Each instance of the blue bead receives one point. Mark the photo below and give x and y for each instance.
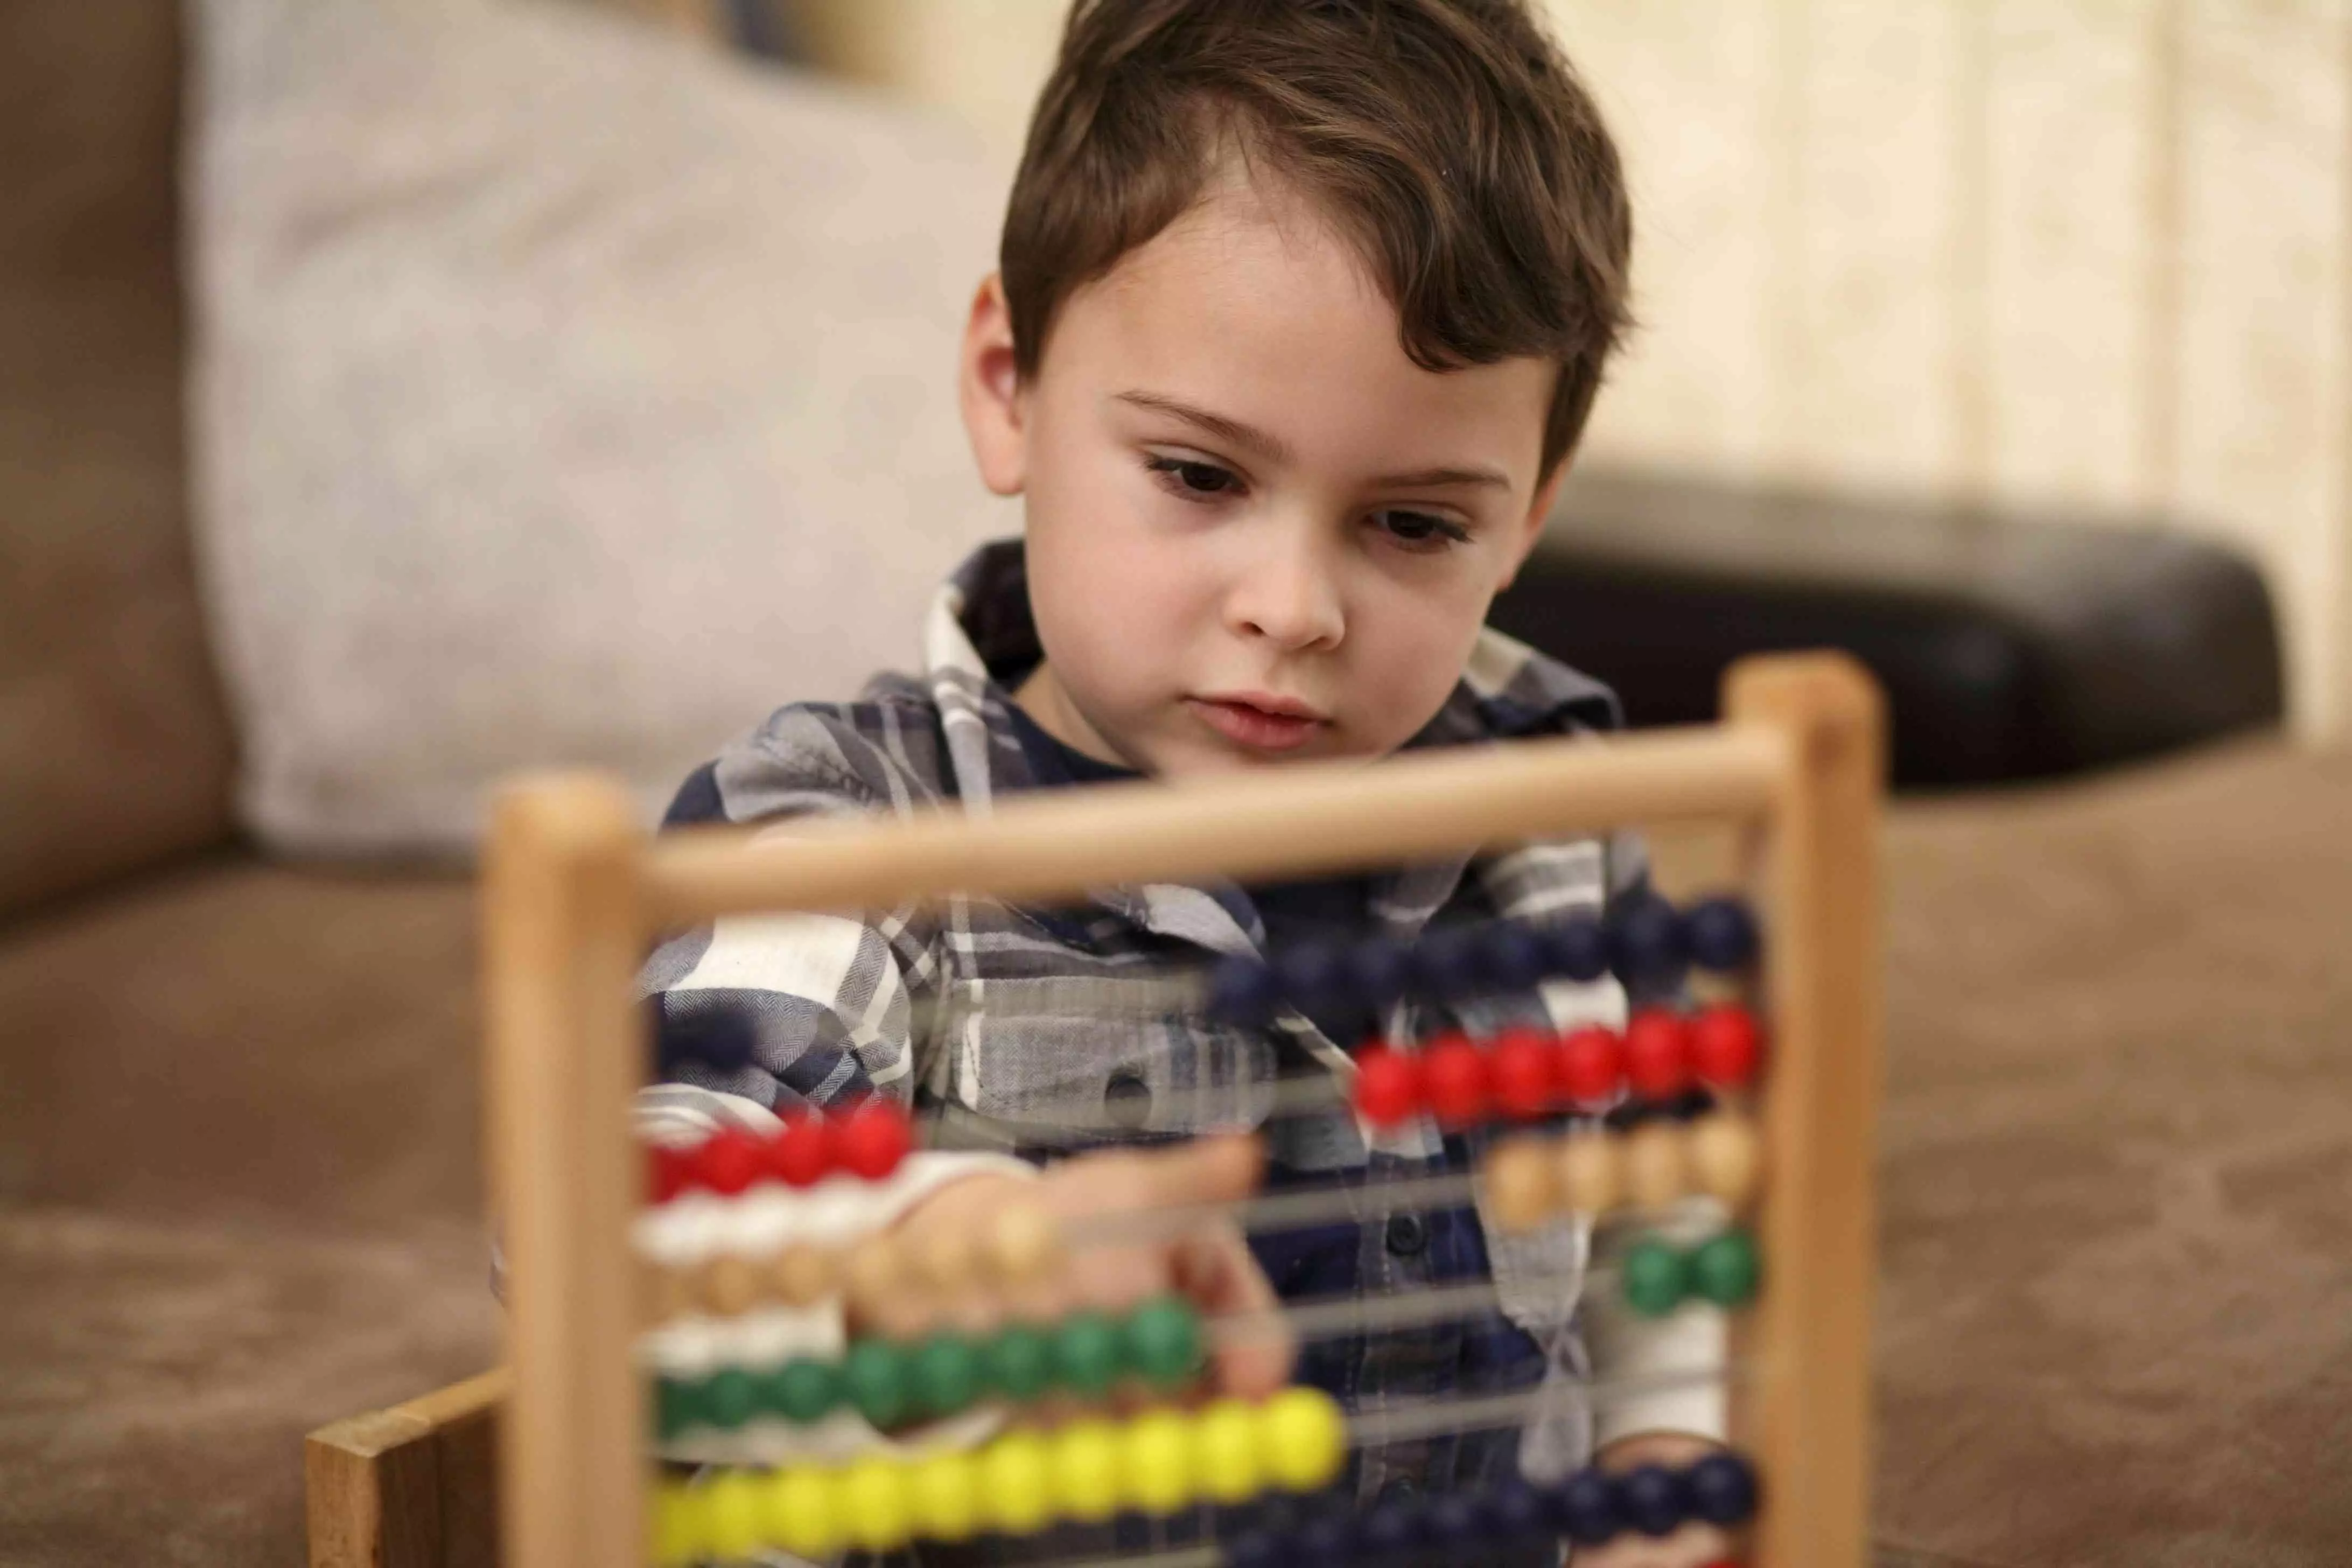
(1242, 991)
(1315, 978)
(1646, 942)
(1652, 1499)
(1446, 960)
(1256, 1549)
(1382, 970)
(1722, 1489)
(1458, 1522)
(1575, 949)
(1584, 1505)
(1515, 956)
(1392, 1530)
(1722, 934)
(1326, 1538)
(721, 1038)
(1516, 1511)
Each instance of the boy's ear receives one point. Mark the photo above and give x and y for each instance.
(1531, 525)
(989, 386)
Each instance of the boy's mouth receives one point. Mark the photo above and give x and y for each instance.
(1259, 720)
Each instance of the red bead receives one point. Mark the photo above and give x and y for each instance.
(668, 1171)
(728, 1161)
(1453, 1072)
(1725, 1045)
(802, 1154)
(1388, 1086)
(873, 1138)
(1521, 1065)
(1657, 1053)
(1590, 1064)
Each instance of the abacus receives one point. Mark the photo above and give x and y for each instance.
(576, 892)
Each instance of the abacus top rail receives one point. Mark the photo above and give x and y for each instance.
(1298, 821)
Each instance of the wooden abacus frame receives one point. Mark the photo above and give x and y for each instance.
(576, 892)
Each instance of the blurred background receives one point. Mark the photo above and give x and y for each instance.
(398, 393)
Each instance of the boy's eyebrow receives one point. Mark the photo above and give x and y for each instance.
(1274, 449)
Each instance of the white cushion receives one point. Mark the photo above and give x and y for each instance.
(565, 393)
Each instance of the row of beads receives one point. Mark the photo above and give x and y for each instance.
(1648, 942)
(1021, 1244)
(887, 1382)
(1526, 1073)
(1588, 1507)
(1656, 1277)
(1531, 1179)
(1157, 1463)
(867, 1142)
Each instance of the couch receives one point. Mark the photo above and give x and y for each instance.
(239, 1188)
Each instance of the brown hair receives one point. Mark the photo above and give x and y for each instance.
(1447, 137)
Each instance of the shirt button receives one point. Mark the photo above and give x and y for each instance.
(1408, 1235)
(1126, 1099)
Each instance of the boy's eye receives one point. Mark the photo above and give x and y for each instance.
(1191, 477)
(1422, 529)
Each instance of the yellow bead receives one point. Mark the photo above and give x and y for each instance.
(1589, 1178)
(1654, 1175)
(732, 1510)
(1726, 1156)
(730, 1285)
(948, 1261)
(1521, 1192)
(876, 1511)
(803, 1511)
(945, 1491)
(1224, 1452)
(1302, 1439)
(1156, 1461)
(676, 1526)
(1016, 1479)
(804, 1274)
(662, 1293)
(1085, 1470)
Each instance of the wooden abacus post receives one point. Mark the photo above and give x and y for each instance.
(1811, 1334)
(565, 928)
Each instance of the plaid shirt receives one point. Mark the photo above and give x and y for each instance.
(1031, 1030)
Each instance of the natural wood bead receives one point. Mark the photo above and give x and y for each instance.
(1590, 1172)
(729, 1286)
(877, 1271)
(1655, 1167)
(804, 1274)
(1726, 1156)
(1024, 1244)
(1520, 1186)
(948, 1261)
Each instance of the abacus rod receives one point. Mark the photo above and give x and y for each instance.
(1275, 1211)
(1307, 819)
(1438, 1417)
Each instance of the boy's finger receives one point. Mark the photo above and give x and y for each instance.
(1221, 1167)
(1216, 1270)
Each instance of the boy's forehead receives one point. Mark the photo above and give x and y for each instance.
(1253, 300)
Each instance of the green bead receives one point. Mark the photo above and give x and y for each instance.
(1725, 1267)
(1086, 1354)
(730, 1398)
(677, 1405)
(946, 1375)
(805, 1391)
(873, 1375)
(1163, 1341)
(1657, 1277)
(1020, 1361)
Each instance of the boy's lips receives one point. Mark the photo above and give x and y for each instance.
(1260, 721)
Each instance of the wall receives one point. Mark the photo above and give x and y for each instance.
(2092, 252)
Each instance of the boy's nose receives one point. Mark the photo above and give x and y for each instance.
(1289, 598)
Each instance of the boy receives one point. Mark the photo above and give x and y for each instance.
(1301, 310)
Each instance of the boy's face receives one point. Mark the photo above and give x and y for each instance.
(1257, 532)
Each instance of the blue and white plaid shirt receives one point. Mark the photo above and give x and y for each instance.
(1030, 1030)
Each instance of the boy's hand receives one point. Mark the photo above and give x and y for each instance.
(1692, 1546)
(1210, 1265)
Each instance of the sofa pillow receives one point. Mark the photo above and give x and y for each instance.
(566, 392)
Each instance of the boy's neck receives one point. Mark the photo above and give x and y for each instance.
(1042, 697)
